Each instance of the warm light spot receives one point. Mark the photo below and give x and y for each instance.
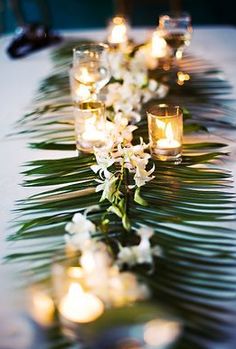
(79, 306)
(182, 77)
(166, 66)
(42, 308)
(160, 124)
(179, 54)
(84, 76)
(75, 272)
(158, 46)
(169, 131)
(118, 33)
(82, 92)
(159, 333)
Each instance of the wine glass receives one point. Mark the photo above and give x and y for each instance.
(177, 30)
(91, 67)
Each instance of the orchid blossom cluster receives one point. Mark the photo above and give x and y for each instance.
(122, 167)
(131, 86)
(112, 285)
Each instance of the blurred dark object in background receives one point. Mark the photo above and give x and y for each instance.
(30, 38)
(75, 14)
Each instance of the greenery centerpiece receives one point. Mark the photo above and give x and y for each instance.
(189, 207)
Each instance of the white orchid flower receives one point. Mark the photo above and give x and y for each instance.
(142, 176)
(141, 253)
(108, 187)
(80, 230)
(80, 224)
(127, 256)
(104, 161)
(145, 232)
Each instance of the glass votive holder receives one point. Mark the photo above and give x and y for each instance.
(159, 47)
(79, 92)
(89, 320)
(90, 71)
(118, 31)
(165, 128)
(76, 305)
(90, 125)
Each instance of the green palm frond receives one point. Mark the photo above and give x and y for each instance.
(190, 206)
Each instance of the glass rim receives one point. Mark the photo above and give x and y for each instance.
(119, 15)
(175, 15)
(81, 48)
(154, 114)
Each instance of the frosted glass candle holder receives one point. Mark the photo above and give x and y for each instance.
(165, 128)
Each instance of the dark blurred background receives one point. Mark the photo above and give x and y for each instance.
(71, 14)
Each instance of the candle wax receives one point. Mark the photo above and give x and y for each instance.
(93, 135)
(165, 143)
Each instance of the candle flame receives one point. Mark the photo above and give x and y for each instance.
(79, 306)
(169, 132)
(158, 46)
(160, 124)
(75, 290)
(82, 92)
(118, 33)
(85, 77)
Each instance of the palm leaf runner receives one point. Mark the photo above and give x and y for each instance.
(190, 206)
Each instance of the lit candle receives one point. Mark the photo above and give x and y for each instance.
(82, 74)
(90, 126)
(165, 126)
(91, 132)
(158, 45)
(42, 307)
(168, 144)
(79, 91)
(82, 93)
(117, 31)
(79, 306)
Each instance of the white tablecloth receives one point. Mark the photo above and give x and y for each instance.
(20, 80)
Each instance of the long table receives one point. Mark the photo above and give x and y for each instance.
(20, 80)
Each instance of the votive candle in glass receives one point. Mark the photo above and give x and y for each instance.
(90, 125)
(118, 31)
(90, 71)
(79, 92)
(158, 45)
(165, 128)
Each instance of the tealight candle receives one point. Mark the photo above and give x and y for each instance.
(117, 31)
(90, 125)
(165, 127)
(79, 306)
(158, 45)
